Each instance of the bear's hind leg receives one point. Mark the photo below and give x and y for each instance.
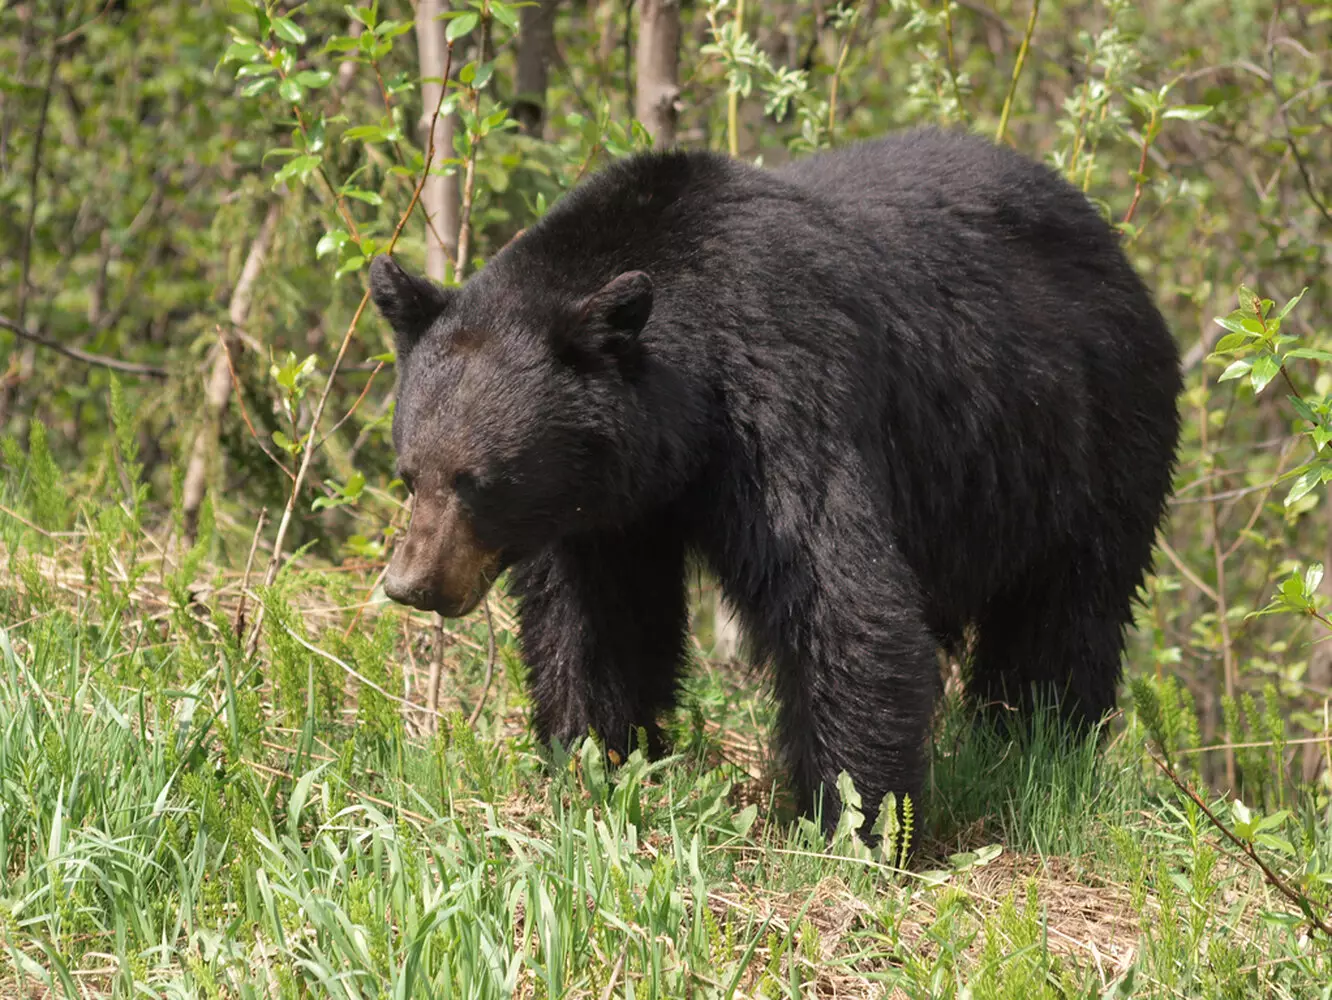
(603, 625)
(1055, 638)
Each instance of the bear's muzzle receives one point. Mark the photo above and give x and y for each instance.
(439, 565)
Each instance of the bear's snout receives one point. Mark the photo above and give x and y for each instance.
(438, 565)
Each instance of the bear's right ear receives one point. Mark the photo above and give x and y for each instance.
(410, 303)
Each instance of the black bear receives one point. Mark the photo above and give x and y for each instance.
(886, 393)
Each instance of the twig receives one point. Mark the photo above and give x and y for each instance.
(952, 59)
(436, 671)
(354, 673)
(100, 360)
(837, 73)
(490, 665)
(1017, 71)
(306, 457)
(245, 414)
(245, 577)
(609, 991)
(1273, 879)
(1184, 570)
(34, 174)
(469, 182)
(68, 37)
(1285, 121)
(1256, 745)
(1142, 170)
(732, 95)
(348, 415)
(1219, 596)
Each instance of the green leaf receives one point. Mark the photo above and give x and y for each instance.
(1313, 576)
(1285, 310)
(298, 169)
(314, 79)
(341, 43)
(350, 265)
(281, 152)
(1188, 112)
(331, 242)
(1277, 818)
(392, 29)
(1230, 342)
(255, 69)
(257, 87)
(1264, 370)
(285, 443)
(290, 91)
(1312, 353)
(360, 194)
(1237, 369)
(366, 133)
(366, 15)
(289, 31)
(242, 52)
(1274, 843)
(1303, 486)
(504, 14)
(461, 25)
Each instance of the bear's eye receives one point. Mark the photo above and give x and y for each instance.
(466, 486)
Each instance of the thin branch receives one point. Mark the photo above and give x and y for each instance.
(469, 184)
(1184, 570)
(34, 176)
(490, 664)
(1272, 878)
(348, 415)
(353, 672)
(1285, 121)
(307, 455)
(100, 360)
(249, 564)
(1017, 71)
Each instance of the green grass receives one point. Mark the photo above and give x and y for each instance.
(178, 820)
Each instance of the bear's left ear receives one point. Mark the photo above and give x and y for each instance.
(621, 307)
(409, 303)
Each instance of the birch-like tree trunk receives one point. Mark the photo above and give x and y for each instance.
(657, 89)
(217, 389)
(440, 194)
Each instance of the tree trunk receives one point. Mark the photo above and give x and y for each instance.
(658, 89)
(536, 43)
(440, 194)
(726, 634)
(217, 390)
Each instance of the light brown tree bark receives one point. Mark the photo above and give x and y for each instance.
(657, 90)
(536, 43)
(217, 389)
(439, 196)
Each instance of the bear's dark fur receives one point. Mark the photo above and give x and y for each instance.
(886, 393)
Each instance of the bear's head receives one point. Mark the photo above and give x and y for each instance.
(509, 424)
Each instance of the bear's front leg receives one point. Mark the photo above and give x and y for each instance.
(603, 623)
(856, 678)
